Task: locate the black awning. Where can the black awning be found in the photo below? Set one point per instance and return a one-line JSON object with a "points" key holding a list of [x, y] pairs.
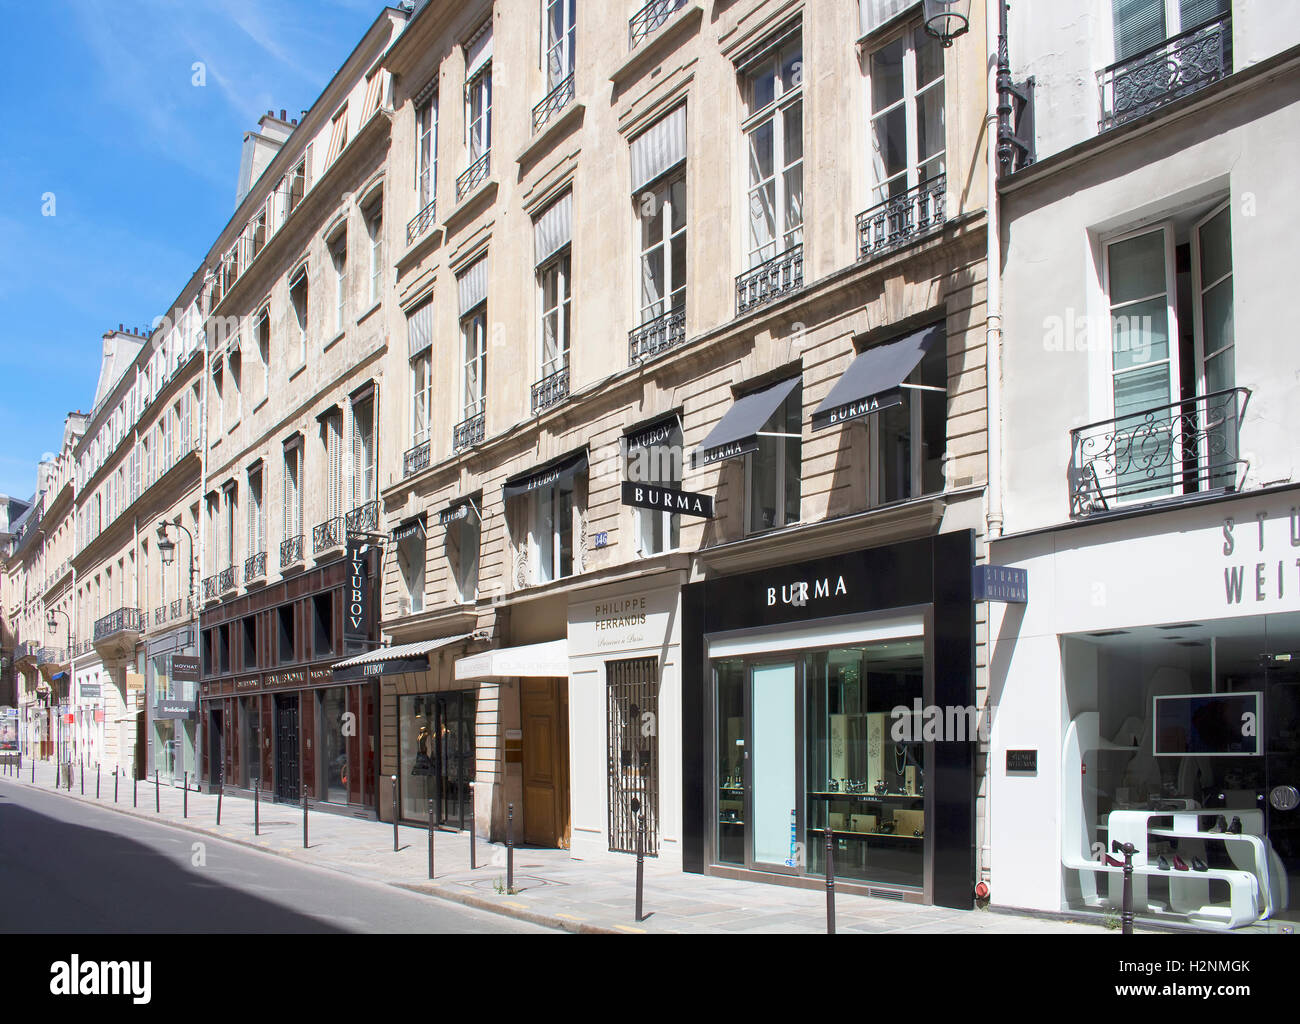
{"points": [[653, 433], [737, 432], [547, 476], [461, 508], [873, 380], [413, 527]]}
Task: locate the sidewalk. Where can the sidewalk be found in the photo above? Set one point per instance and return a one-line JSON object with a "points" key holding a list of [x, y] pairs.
{"points": [[551, 888]]}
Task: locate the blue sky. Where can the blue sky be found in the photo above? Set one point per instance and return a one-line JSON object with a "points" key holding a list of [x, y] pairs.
{"points": [[98, 106]]}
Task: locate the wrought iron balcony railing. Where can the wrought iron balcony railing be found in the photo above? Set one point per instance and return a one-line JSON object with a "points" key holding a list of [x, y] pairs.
{"points": [[474, 176], [210, 588], [159, 616], [469, 432], [779, 276], [415, 460], [124, 620], [1179, 66], [291, 551], [178, 608], [902, 218], [551, 390], [658, 335], [1157, 454], [50, 656], [363, 518], [327, 535], [27, 651], [83, 648], [649, 18], [226, 580], [556, 100], [255, 567], [422, 221]]}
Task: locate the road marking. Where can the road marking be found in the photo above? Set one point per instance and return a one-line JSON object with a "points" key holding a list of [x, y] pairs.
{"points": [[570, 917], [629, 928], [517, 906]]}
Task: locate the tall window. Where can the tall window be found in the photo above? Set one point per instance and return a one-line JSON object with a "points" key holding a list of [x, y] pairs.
{"points": [[297, 185], [1142, 24], [419, 330], [256, 515], [411, 560], [773, 472], [426, 150], [473, 332], [655, 456], [332, 427], [478, 113], [1140, 275], [235, 363], [551, 532], [338, 134], [339, 258], [375, 231], [556, 313], [226, 538], [663, 248], [463, 538], [906, 90], [298, 298], [293, 489], [910, 440], [773, 87], [559, 41], [363, 451], [263, 332], [218, 394]]}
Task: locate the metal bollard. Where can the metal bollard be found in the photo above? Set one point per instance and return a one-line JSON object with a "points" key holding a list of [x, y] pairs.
{"points": [[185, 796], [830, 883], [221, 789], [157, 794], [640, 865], [394, 813], [135, 791], [83, 778], [304, 818], [33, 771], [430, 838], [257, 820], [1126, 915], [473, 832], [114, 783], [510, 848], [96, 780]]}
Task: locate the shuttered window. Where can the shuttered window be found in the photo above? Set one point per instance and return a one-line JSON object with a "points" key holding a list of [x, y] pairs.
{"points": [[363, 451]]}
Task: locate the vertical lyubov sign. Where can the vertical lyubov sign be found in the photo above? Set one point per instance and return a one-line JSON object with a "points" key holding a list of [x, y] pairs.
{"points": [[356, 594]]}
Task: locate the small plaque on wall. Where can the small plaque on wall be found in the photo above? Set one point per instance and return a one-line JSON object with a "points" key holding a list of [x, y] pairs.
{"points": [[1022, 760]]}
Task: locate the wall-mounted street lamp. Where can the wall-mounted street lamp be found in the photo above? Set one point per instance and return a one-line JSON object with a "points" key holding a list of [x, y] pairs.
{"points": [[52, 627], [167, 552], [947, 19]]}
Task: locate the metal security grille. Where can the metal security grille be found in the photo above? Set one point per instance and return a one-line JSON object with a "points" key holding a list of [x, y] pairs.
{"points": [[286, 747], [633, 687]]}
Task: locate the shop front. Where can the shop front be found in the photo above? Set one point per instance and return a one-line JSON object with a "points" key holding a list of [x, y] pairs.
{"points": [[172, 678], [835, 695], [625, 708], [1151, 695]]}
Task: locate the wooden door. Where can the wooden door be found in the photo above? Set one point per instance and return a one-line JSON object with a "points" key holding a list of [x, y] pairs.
{"points": [[545, 715]]}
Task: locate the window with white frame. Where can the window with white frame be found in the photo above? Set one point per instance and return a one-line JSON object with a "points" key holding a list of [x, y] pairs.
{"points": [[235, 364], [473, 333], [227, 528], [338, 247], [655, 456], [774, 472], [419, 329], [560, 38], [1139, 25], [478, 113], [363, 450], [905, 89], [298, 299], [463, 539], [293, 489], [556, 294], [551, 533], [332, 438], [412, 559], [338, 134], [218, 396], [426, 150], [263, 333], [773, 93], [663, 248], [256, 513], [908, 441], [374, 216]]}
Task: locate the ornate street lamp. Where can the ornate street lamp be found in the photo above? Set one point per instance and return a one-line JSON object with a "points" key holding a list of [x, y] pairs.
{"points": [[167, 552], [947, 19]]}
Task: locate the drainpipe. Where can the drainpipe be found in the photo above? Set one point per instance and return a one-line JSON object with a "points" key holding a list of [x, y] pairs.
{"points": [[995, 124]]}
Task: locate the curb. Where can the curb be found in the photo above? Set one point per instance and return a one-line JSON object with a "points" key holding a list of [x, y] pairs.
{"points": [[437, 891]]}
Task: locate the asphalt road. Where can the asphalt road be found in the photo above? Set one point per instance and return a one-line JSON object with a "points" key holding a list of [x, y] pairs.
{"points": [[69, 868]]}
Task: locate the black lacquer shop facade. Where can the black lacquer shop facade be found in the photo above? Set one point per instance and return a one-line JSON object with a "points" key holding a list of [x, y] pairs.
{"points": [[802, 691]]}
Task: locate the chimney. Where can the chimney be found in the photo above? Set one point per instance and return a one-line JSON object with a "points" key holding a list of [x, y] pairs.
{"points": [[121, 328], [282, 113]]}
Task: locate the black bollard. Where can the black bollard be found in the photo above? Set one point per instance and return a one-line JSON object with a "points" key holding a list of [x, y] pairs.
{"points": [[157, 794], [1126, 916], [640, 864], [304, 817], [33, 771], [430, 840], [135, 791], [394, 813], [83, 778], [510, 849], [473, 831], [96, 780], [830, 883], [185, 796], [257, 820], [221, 789], [114, 783]]}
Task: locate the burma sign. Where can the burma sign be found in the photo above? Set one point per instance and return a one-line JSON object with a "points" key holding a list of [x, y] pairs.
{"points": [[667, 499]]}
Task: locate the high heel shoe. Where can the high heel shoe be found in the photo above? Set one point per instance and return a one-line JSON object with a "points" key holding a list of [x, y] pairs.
{"points": [[1199, 865], [1112, 862], [1163, 863], [1180, 864], [1235, 828]]}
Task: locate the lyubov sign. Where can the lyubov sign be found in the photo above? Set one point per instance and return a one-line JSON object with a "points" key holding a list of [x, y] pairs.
{"points": [[356, 594]]}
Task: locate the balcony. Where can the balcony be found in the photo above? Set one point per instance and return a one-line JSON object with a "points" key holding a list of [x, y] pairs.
{"points": [[255, 568], [291, 552], [364, 518], [767, 282], [658, 335], [556, 100], [469, 432], [210, 589], [327, 535], [1178, 67], [649, 18], [178, 608], [26, 654], [117, 633], [422, 221], [1158, 455], [415, 460], [551, 390], [226, 580], [474, 177], [902, 219], [159, 616]]}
